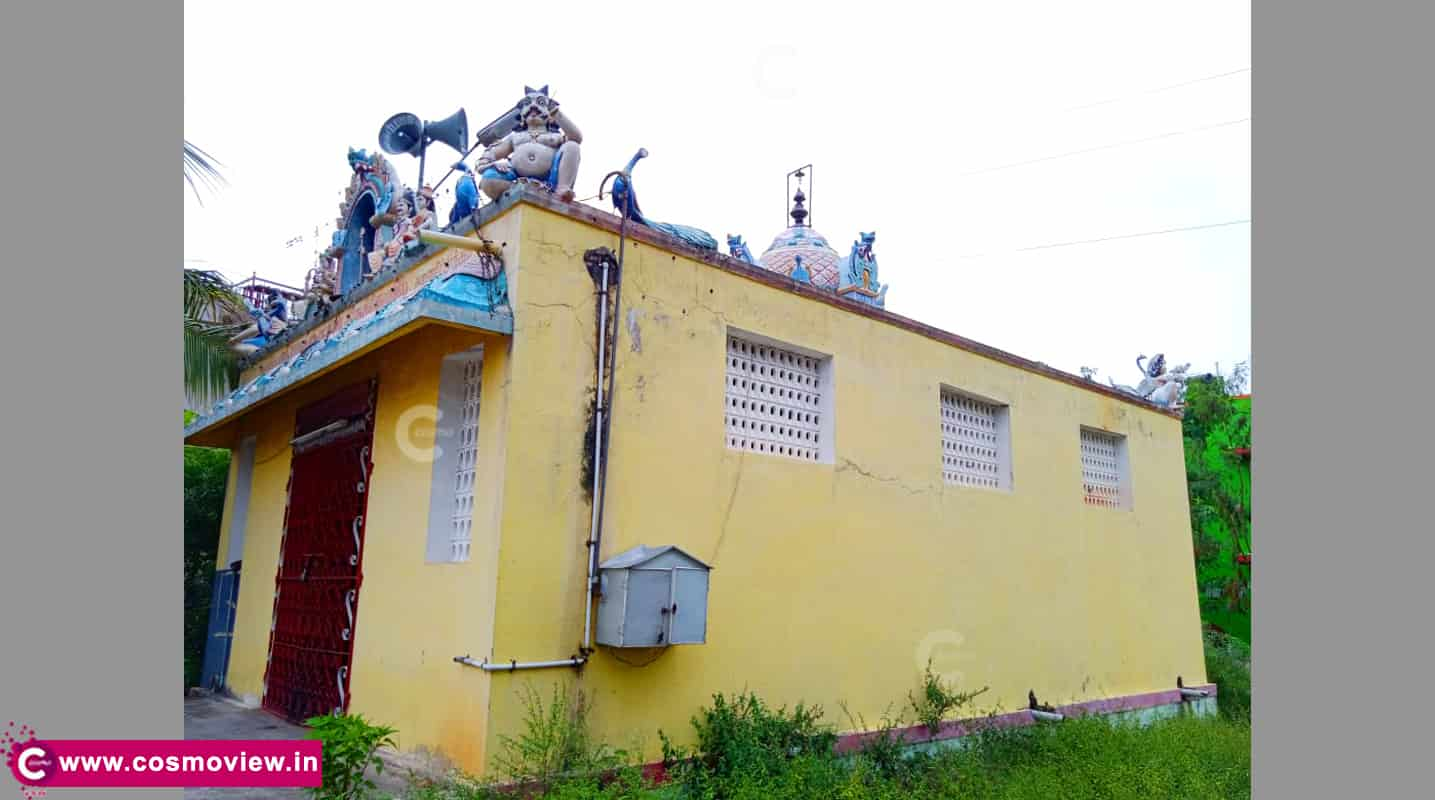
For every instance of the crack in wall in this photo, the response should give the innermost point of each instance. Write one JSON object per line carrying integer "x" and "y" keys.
{"x": 848, "y": 465}
{"x": 720, "y": 315}
{"x": 727, "y": 515}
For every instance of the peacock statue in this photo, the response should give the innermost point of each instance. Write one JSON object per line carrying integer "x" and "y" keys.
{"x": 625, "y": 200}
{"x": 465, "y": 194}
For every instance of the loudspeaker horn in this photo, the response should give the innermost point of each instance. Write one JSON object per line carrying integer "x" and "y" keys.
{"x": 452, "y": 131}
{"x": 403, "y": 133}
{"x": 407, "y": 134}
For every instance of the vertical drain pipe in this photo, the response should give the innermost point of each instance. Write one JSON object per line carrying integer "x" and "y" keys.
{"x": 624, "y": 178}
{"x": 594, "y": 257}
{"x": 601, "y": 266}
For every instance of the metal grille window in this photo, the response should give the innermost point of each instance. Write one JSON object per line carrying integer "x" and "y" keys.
{"x": 1104, "y": 469}
{"x": 975, "y": 442}
{"x": 455, "y": 458}
{"x": 774, "y": 400}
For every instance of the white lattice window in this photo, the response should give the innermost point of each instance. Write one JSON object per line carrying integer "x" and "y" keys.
{"x": 463, "y": 471}
{"x": 776, "y": 400}
{"x": 1104, "y": 471}
{"x": 976, "y": 443}
{"x": 455, "y": 457}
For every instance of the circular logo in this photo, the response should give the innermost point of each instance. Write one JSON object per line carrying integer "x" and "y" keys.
{"x": 941, "y": 650}
{"x": 404, "y": 433}
{"x": 775, "y": 68}
{"x": 34, "y": 763}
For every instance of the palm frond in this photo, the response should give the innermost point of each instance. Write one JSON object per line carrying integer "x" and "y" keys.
{"x": 210, "y": 311}
{"x": 201, "y": 167}
{"x": 207, "y": 297}
{"x": 210, "y": 368}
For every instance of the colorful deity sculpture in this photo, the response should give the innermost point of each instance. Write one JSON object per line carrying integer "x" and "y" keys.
{"x": 269, "y": 320}
{"x": 1163, "y": 387}
{"x": 393, "y": 231}
{"x": 321, "y": 289}
{"x": 543, "y": 148}
{"x": 407, "y": 224}
{"x": 859, "y": 273}
{"x": 365, "y": 222}
{"x": 737, "y": 248}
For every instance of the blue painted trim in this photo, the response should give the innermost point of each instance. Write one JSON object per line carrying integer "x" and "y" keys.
{"x": 347, "y": 343}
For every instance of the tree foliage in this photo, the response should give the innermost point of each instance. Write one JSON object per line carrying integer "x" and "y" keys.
{"x": 1217, "y": 429}
{"x": 206, "y": 473}
{"x": 211, "y": 309}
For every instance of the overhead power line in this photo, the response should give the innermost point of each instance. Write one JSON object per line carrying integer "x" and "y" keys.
{"x": 1053, "y": 245}
{"x": 1111, "y": 146}
{"x": 1157, "y": 90}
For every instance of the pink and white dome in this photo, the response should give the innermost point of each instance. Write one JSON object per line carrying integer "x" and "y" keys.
{"x": 800, "y": 240}
{"x": 819, "y": 259}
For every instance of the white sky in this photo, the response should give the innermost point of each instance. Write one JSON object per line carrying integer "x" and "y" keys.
{"x": 902, "y": 108}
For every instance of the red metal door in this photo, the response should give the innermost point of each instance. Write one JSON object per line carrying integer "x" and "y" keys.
{"x": 316, "y": 591}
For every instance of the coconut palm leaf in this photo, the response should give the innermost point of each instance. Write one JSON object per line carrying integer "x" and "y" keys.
{"x": 209, "y": 367}
{"x": 207, "y": 297}
{"x": 200, "y": 167}
{"x": 213, "y": 313}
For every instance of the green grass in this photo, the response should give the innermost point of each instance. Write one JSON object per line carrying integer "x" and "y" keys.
{"x": 748, "y": 750}
{"x": 1177, "y": 758}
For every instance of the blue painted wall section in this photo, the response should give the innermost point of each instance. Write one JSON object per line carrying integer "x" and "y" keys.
{"x": 460, "y": 299}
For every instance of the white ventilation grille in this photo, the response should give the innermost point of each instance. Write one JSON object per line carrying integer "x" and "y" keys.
{"x": 774, "y": 400}
{"x": 973, "y": 442}
{"x": 466, "y": 462}
{"x": 1103, "y": 469}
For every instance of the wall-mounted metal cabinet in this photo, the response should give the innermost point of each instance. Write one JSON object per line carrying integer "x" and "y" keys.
{"x": 652, "y": 597}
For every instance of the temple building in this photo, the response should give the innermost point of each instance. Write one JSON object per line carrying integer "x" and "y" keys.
{"x": 553, "y": 442}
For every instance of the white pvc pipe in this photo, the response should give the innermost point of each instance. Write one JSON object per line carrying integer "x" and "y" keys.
{"x": 1194, "y": 692}
{"x": 450, "y": 240}
{"x": 517, "y": 665}
{"x": 593, "y": 530}
{"x": 1046, "y": 715}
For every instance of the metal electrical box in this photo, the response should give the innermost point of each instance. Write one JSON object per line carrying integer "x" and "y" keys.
{"x": 653, "y": 597}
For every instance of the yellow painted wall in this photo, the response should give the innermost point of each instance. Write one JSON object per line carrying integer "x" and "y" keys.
{"x": 830, "y": 581}
{"x": 413, "y": 617}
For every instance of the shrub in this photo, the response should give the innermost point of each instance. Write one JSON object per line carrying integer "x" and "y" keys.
{"x": 744, "y": 743}
{"x": 351, "y": 747}
{"x": 555, "y": 740}
{"x": 938, "y": 699}
{"x": 1228, "y": 665}
{"x": 886, "y": 752}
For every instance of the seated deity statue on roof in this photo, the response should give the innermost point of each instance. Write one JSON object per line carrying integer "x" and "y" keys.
{"x": 543, "y": 148}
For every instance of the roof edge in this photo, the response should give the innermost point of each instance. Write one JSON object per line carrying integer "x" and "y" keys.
{"x": 612, "y": 223}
